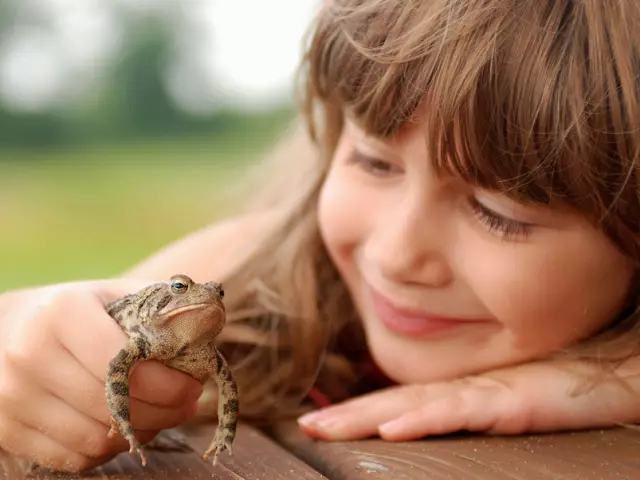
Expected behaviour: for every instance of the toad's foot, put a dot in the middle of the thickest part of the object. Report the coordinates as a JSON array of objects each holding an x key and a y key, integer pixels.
[
  {"x": 134, "y": 445},
  {"x": 32, "y": 467},
  {"x": 220, "y": 443}
]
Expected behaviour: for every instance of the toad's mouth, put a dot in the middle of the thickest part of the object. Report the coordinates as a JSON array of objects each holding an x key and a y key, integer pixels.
[{"x": 178, "y": 312}]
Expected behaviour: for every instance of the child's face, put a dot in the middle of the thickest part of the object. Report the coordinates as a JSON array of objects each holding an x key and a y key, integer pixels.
[{"x": 412, "y": 247}]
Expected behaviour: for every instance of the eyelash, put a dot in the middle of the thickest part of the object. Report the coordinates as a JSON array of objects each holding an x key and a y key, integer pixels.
[{"x": 507, "y": 228}]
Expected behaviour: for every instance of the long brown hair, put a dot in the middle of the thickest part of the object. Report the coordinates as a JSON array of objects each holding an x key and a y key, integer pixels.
[{"x": 537, "y": 99}]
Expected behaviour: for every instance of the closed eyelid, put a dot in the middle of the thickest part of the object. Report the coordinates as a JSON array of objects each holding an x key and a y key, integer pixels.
[
  {"x": 506, "y": 227},
  {"x": 490, "y": 211},
  {"x": 374, "y": 148},
  {"x": 358, "y": 157},
  {"x": 524, "y": 213}
]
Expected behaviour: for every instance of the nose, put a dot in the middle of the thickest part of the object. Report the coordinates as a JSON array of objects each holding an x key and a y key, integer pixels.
[{"x": 408, "y": 246}]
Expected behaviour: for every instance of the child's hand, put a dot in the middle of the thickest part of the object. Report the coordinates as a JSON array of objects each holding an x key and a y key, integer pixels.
[
  {"x": 55, "y": 344},
  {"x": 544, "y": 396}
]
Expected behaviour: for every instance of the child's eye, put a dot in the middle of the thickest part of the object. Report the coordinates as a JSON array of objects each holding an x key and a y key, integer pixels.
[
  {"x": 372, "y": 165},
  {"x": 505, "y": 227}
]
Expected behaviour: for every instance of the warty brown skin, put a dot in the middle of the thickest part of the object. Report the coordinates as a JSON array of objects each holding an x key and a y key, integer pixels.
[{"x": 174, "y": 323}]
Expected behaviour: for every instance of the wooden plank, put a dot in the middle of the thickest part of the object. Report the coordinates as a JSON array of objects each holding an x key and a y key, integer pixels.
[
  {"x": 254, "y": 457},
  {"x": 586, "y": 455}
]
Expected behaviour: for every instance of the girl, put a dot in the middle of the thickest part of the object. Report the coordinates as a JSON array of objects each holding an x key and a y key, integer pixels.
[{"x": 457, "y": 251}]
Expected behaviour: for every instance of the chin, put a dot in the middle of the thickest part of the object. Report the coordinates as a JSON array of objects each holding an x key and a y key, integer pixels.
[{"x": 407, "y": 361}]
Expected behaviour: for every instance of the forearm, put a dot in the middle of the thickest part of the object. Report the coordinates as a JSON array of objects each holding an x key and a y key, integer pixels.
[
  {"x": 206, "y": 254},
  {"x": 190, "y": 255}
]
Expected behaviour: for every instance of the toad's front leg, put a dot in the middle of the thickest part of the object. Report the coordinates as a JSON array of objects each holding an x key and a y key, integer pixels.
[
  {"x": 117, "y": 391},
  {"x": 227, "y": 407}
]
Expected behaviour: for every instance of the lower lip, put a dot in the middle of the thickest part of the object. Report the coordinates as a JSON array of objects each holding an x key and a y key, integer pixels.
[{"x": 411, "y": 324}]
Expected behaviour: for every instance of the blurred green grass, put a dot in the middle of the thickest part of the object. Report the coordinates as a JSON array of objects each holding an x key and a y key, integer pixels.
[{"x": 95, "y": 211}]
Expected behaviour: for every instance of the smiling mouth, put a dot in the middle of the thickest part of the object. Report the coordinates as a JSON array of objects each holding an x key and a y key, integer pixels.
[{"x": 412, "y": 322}]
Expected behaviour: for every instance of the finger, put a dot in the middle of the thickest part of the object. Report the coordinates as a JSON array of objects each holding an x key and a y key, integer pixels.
[
  {"x": 32, "y": 406},
  {"x": 48, "y": 414},
  {"x": 360, "y": 417},
  {"x": 94, "y": 343},
  {"x": 468, "y": 409},
  {"x": 156, "y": 384},
  {"x": 66, "y": 426},
  {"x": 83, "y": 392},
  {"x": 24, "y": 442}
]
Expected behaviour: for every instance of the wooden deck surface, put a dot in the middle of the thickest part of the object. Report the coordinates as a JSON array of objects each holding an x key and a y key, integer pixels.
[
  {"x": 254, "y": 457},
  {"x": 593, "y": 455},
  {"x": 602, "y": 455}
]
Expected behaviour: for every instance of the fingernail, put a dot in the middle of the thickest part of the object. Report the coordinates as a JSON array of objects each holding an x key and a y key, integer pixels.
[
  {"x": 321, "y": 416},
  {"x": 321, "y": 424},
  {"x": 309, "y": 418},
  {"x": 390, "y": 427}
]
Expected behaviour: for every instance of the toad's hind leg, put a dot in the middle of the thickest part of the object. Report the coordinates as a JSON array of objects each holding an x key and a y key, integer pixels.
[
  {"x": 117, "y": 392},
  {"x": 227, "y": 407}
]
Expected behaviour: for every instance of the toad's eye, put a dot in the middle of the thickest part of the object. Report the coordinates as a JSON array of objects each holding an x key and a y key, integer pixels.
[
  {"x": 221, "y": 293},
  {"x": 178, "y": 287}
]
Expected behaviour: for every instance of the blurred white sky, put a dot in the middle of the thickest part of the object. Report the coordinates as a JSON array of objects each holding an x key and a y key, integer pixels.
[{"x": 238, "y": 52}]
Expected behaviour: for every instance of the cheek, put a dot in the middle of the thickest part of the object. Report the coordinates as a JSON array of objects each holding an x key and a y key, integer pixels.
[
  {"x": 341, "y": 220},
  {"x": 549, "y": 298}
]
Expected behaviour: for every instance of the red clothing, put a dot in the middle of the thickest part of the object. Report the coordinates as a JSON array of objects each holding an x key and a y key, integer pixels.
[{"x": 370, "y": 375}]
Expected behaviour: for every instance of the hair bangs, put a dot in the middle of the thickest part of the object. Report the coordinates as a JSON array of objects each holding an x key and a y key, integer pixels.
[{"x": 517, "y": 97}]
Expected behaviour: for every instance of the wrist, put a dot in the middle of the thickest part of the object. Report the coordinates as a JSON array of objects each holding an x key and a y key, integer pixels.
[{"x": 570, "y": 393}]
